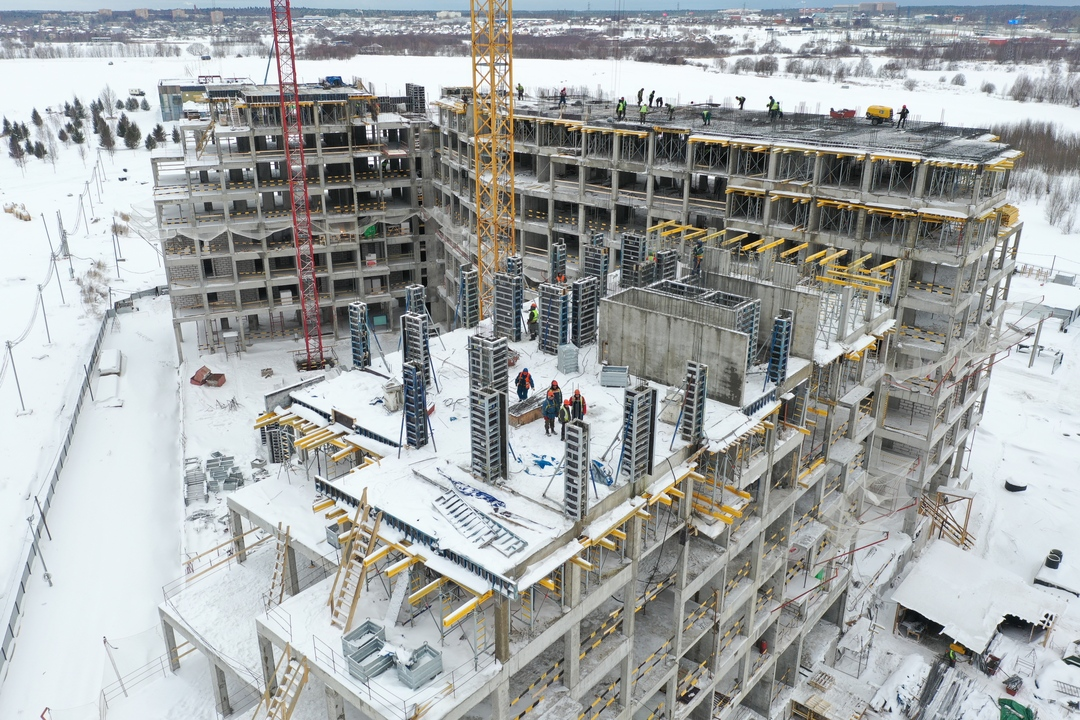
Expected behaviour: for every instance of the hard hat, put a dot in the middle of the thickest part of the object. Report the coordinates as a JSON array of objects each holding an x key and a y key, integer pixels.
[
  {"x": 905, "y": 106},
  {"x": 577, "y": 392},
  {"x": 533, "y": 305},
  {"x": 566, "y": 402},
  {"x": 554, "y": 383},
  {"x": 525, "y": 370},
  {"x": 551, "y": 394}
]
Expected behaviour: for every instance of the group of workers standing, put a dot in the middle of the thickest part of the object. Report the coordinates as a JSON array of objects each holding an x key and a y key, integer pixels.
[
  {"x": 554, "y": 406},
  {"x": 645, "y": 104}
]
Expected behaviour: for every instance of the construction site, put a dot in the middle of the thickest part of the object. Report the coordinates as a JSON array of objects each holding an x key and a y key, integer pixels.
[{"x": 782, "y": 327}]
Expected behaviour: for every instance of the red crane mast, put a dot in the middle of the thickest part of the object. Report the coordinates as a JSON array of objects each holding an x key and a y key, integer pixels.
[{"x": 292, "y": 131}]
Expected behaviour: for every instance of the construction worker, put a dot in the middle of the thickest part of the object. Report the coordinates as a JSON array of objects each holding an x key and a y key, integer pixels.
[
  {"x": 670, "y": 112},
  {"x": 520, "y": 91},
  {"x": 564, "y": 417},
  {"x": 534, "y": 321},
  {"x": 644, "y": 111},
  {"x": 741, "y": 99},
  {"x": 578, "y": 407},
  {"x": 699, "y": 255},
  {"x": 652, "y": 94},
  {"x": 620, "y": 109},
  {"x": 659, "y": 102},
  {"x": 550, "y": 408},
  {"x": 556, "y": 391},
  {"x": 771, "y": 107},
  {"x": 385, "y": 165},
  {"x": 562, "y": 98},
  {"x": 524, "y": 384},
  {"x": 902, "y": 121},
  {"x": 706, "y": 116},
  {"x": 640, "y": 95},
  {"x": 951, "y": 657}
]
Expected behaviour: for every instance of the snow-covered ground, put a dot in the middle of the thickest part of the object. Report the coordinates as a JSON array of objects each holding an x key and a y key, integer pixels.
[{"x": 117, "y": 517}]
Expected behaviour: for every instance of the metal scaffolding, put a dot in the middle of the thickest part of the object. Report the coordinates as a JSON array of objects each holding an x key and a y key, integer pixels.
[
  {"x": 488, "y": 362},
  {"x": 692, "y": 423},
  {"x": 554, "y": 318},
  {"x": 358, "y": 335},
  {"x": 576, "y": 473},
  {"x": 594, "y": 263},
  {"x": 416, "y": 299},
  {"x": 779, "y": 349},
  {"x": 667, "y": 264},
  {"x": 558, "y": 262},
  {"x": 585, "y": 294},
  {"x": 468, "y": 311},
  {"x": 414, "y": 331},
  {"x": 414, "y": 419},
  {"x": 639, "y": 430},
  {"x": 509, "y": 297},
  {"x": 487, "y": 425}
]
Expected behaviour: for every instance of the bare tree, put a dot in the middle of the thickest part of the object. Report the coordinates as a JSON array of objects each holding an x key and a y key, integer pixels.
[{"x": 108, "y": 99}]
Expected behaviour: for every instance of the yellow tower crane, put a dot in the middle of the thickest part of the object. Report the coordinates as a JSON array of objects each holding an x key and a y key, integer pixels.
[{"x": 493, "y": 135}]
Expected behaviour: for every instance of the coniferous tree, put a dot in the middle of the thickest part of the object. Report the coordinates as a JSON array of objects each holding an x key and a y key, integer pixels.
[
  {"x": 144, "y": 105},
  {"x": 78, "y": 109},
  {"x": 176, "y": 135},
  {"x": 119, "y": 104},
  {"x": 7, "y": 126},
  {"x": 35, "y": 117},
  {"x": 132, "y": 136},
  {"x": 151, "y": 142},
  {"x": 62, "y": 135},
  {"x": 159, "y": 133},
  {"x": 131, "y": 105},
  {"x": 39, "y": 150},
  {"x": 29, "y": 146},
  {"x": 16, "y": 152},
  {"x": 122, "y": 125},
  {"x": 105, "y": 135},
  {"x": 77, "y": 136}
]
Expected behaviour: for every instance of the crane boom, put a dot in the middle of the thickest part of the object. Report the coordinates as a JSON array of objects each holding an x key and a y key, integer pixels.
[
  {"x": 292, "y": 132},
  {"x": 493, "y": 133}
]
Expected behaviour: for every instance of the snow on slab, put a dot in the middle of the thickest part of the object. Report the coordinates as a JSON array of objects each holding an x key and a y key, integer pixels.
[
  {"x": 110, "y": 361},
  {"x": 970, "y": 596}
]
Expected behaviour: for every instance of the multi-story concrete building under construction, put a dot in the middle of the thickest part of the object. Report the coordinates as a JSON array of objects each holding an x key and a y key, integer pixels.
[{"x": 781, "y": 328}]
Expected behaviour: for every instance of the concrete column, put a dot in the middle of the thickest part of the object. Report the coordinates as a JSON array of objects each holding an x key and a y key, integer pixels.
[
  {"x": 236, "y": 527},
  {"x": 170, "y": 643},
  {"x": 335, "y": 705},
  {"x": 502, "y": 629},
  {"x": 921, "y": 174},
  {"x": 266, "y": 661},
  {"x": 179, "y": 342},
  {"x": 572, "y": 637},
  {"x": 626, "y": 666},
  {"x": 500, "y": 701},
  {"x": 221, "y": 691},
  {"x": 292, "y": 581}
]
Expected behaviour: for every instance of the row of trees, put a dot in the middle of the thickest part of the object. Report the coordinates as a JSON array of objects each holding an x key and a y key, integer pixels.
[{"x": 69, "y": 127}]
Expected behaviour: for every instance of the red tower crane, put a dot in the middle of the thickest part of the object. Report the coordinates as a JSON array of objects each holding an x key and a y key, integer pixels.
[{"x": 292, "y": 131}]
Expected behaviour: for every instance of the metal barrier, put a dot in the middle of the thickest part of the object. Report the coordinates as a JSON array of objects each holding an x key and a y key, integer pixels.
[{"x": 13, "y": 599}]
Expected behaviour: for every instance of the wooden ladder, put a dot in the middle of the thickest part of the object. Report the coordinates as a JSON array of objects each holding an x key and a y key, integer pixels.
[
  {"x": 360, "y": 542},
  {"x": 292, "y": 674},
  {"x": 281, "y": 568}
]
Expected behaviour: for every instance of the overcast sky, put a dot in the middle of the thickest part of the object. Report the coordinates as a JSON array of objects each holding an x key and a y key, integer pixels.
[{"x": 598, "y": 5}]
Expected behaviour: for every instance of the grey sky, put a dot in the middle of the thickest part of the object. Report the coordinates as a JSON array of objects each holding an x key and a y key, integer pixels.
[{"x": 598, "y": 5}]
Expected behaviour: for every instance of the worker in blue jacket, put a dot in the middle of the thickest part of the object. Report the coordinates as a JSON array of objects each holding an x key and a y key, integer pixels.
[{"x": 550, "y": 408}]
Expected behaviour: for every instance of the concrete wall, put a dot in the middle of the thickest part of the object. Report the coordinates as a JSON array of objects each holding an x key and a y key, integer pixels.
[
  {"x": 656, "y": 335},
  {"x": 773, "y": 300}
]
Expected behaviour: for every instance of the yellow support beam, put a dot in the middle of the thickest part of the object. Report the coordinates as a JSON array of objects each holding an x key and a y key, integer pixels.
[
  {"x": 829, "y": 258},
  {"x": 378, "y": 555},
  {"x": 266, "y": 419},
  {"x": 771, "y": 245},
  {"x": 752, "y": 245},
  {"x": 797, "y": 248},
  {"x": 676, "y": 229},
  {"x": 695, "y": 234},
  {"x": 619, "y": 534},
  {"x": 320, "y": 505},
  {"x": 427, "y": 590},
  {"x": 582, "y": 563},
  {"x": 859, "y": 278},
  {"x": 402, "y": 564},
  {"x": 661, "y": 226},
  {"x": 815, "y": 256},
  {"x": 737, "y": 238},
  {"x": 608, "y": 544},
  {"x": 803, "y": 430},
  {"x": 860, "y": 261},
  {"x": 463, "y": 611},
  {"x": 848, "y": 283},
  {"x": 712, "y": 235},
  {"x": 547, "y": 583},
  {"x": 885, "y": 265},
  {"x": 741, "y": 493}
]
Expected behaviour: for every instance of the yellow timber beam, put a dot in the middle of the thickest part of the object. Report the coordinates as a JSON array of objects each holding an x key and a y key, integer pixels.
[
  {"x": 815, "y": 256},
  {"x": 848, "y": 283},
  {"x": 426, "y": 590},
  {"x": 832, "y": 256},
  {"x": 266, "y": 419},
  {"x": 751, "y": 245},
  {"x": 465, "y": 609},
  {"x": 737, "y": 238},
  {"x": 661, "y": 226},
  {"x": 859, "y": 278},
  {"x": 770, "y": 246},
  {"x": 797, "y": 248},
  {"x": 886, "y": 265},
  {"x": 860, "y": 261}
]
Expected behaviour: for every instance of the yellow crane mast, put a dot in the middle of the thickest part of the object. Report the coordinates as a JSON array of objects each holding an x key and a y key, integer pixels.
[{"x": 493, "y": 135}]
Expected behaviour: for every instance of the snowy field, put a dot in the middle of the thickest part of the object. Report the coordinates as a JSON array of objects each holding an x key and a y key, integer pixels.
[{"x": 117, "y": 524}]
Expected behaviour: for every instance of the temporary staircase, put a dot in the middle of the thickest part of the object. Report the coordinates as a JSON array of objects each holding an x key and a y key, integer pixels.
[
  {"x": 278, "y": 702},
  {"x": 943, "y": 524},
  {"x": 359, "y": 542},
  {"x": 281, "y": 567}
]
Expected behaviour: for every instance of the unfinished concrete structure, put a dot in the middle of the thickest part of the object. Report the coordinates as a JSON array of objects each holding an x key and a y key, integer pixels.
[
  {"x": 222, "y": 213},
  {"x": 824, "y": 346}
]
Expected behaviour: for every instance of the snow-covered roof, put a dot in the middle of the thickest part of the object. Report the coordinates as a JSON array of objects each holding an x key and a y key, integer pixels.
[{"x": 970, "y": 596}]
